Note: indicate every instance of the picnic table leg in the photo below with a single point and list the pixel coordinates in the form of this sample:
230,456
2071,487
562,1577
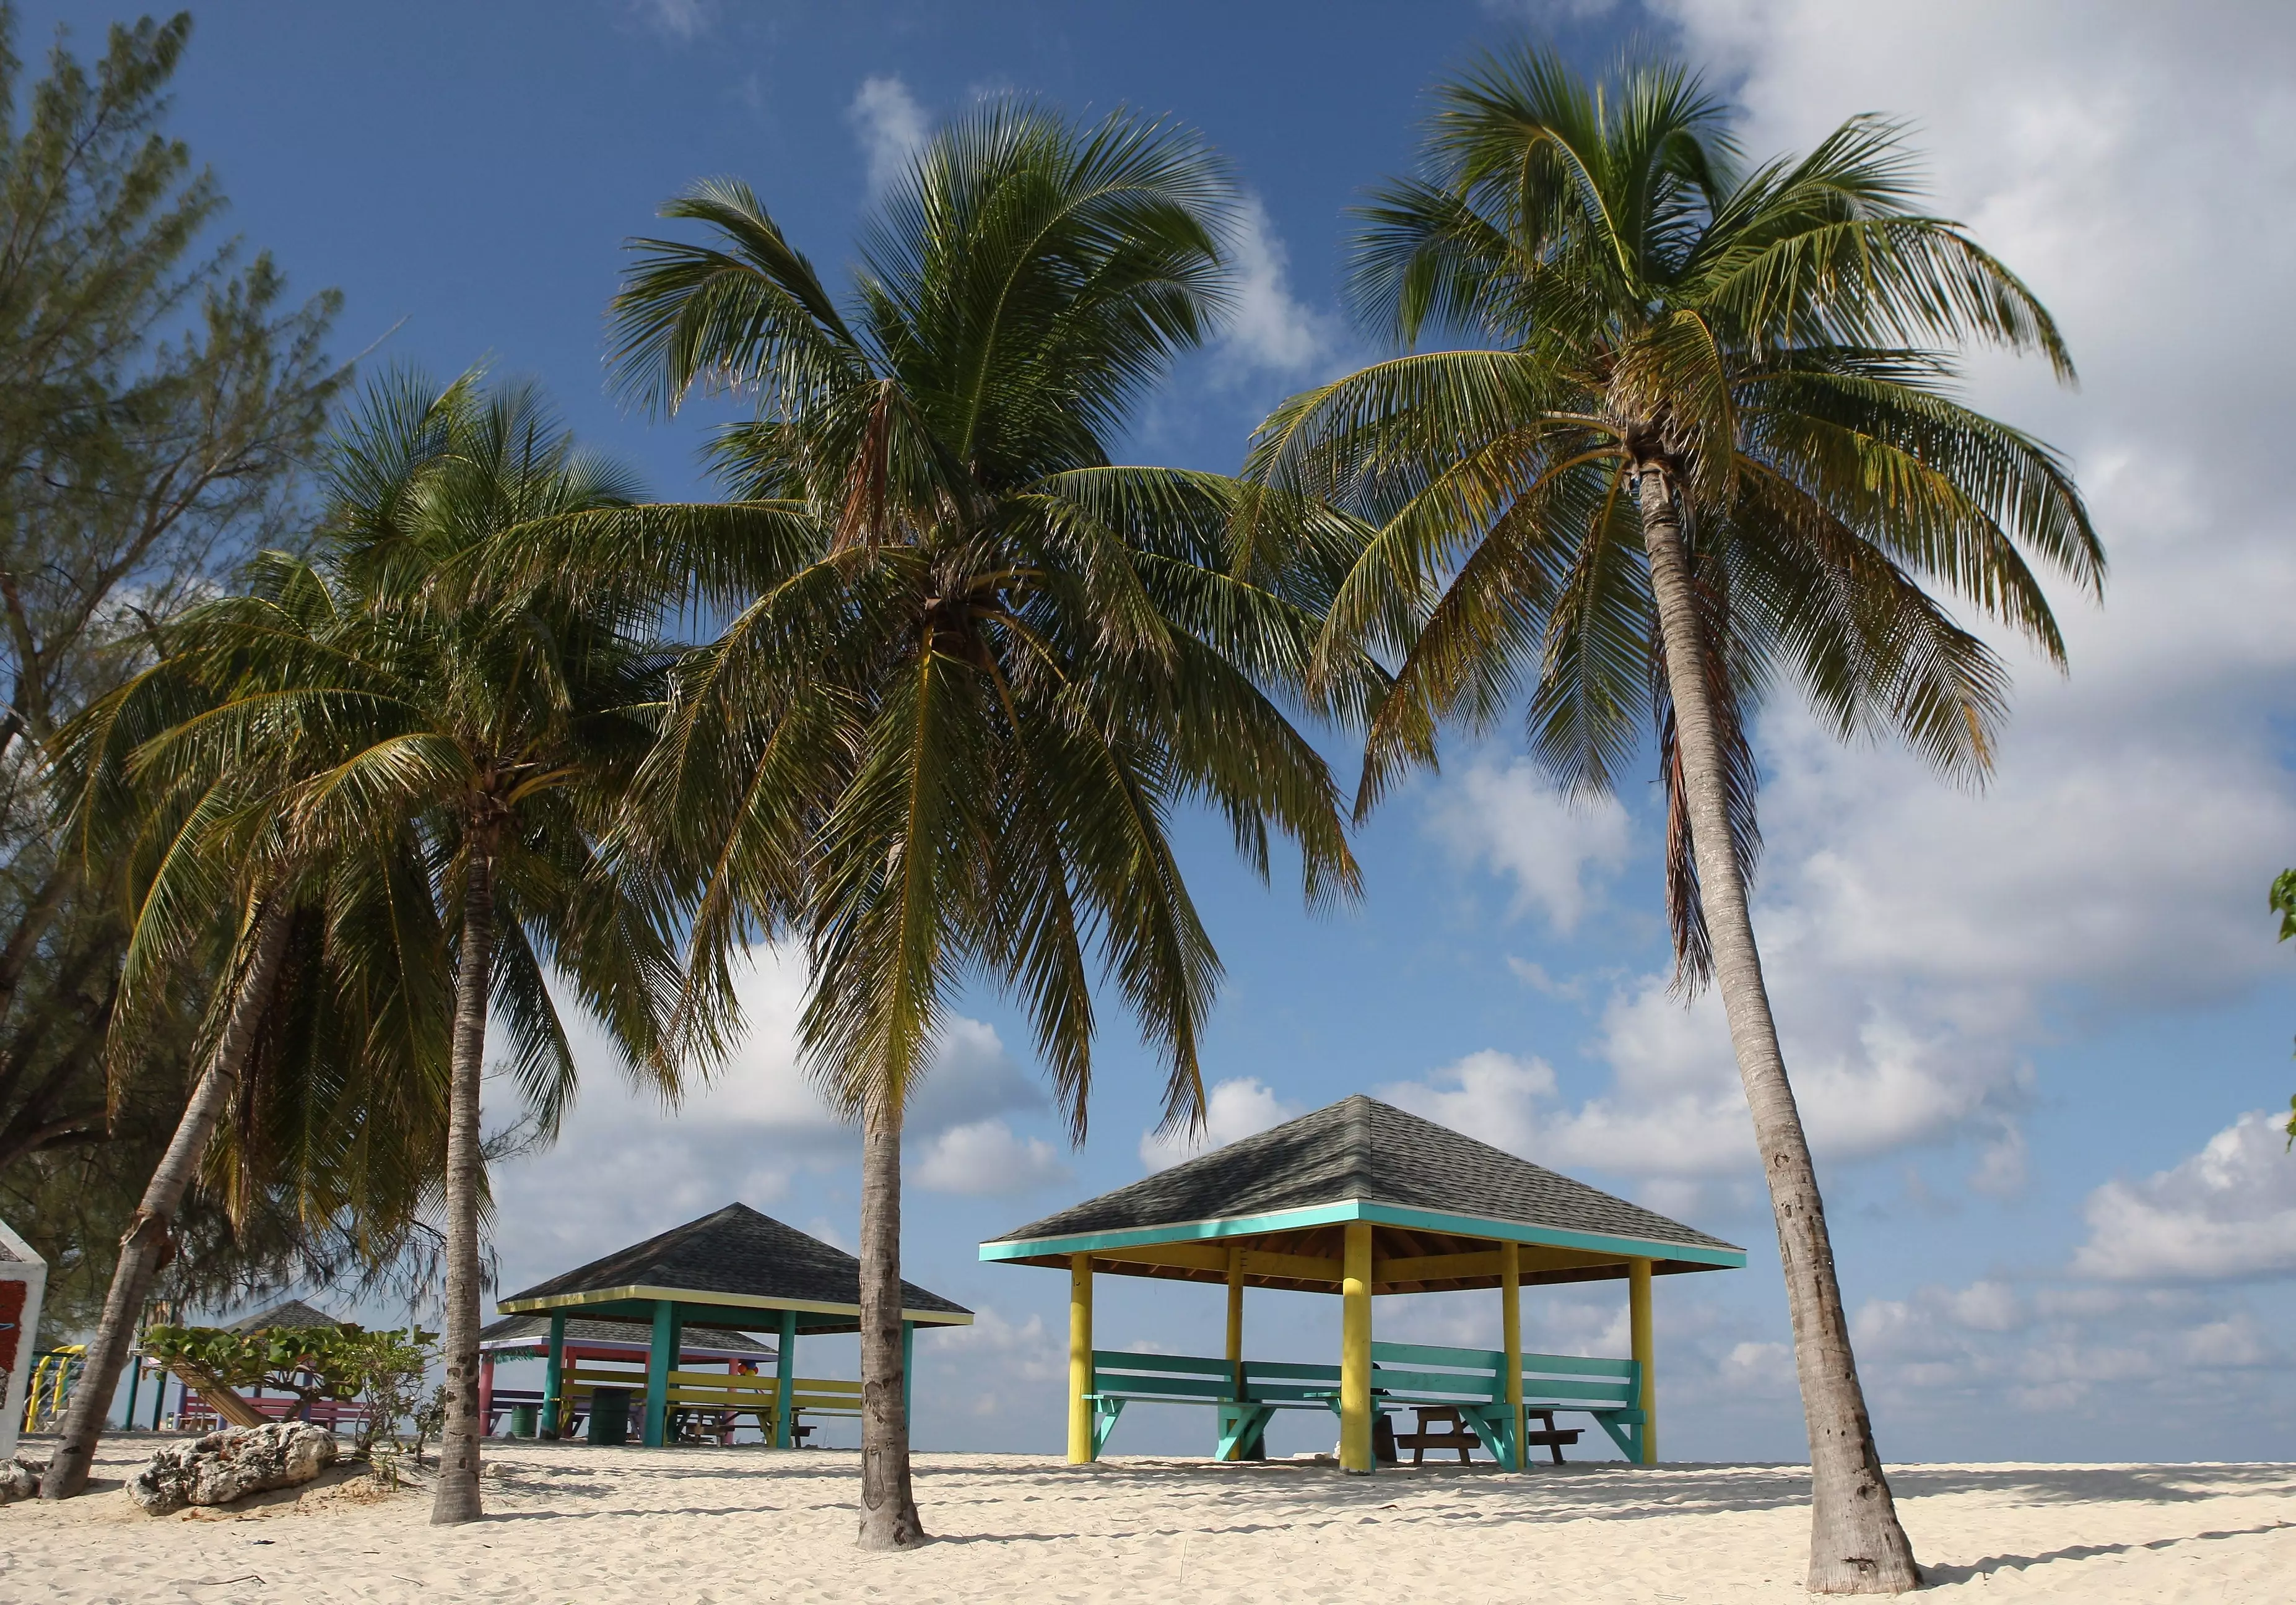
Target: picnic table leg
1638,1319
1355,1350
1081,1452
785,1384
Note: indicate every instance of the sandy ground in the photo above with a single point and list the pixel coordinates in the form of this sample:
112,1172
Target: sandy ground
570,1522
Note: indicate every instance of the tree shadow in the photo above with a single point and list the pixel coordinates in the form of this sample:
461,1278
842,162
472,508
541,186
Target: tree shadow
1933,1574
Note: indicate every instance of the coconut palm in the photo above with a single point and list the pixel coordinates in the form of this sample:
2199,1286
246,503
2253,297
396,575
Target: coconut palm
316,969
1705,447
409,694
973,667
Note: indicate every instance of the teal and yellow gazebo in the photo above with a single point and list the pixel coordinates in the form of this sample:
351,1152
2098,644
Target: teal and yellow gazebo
1364,1201
735,1270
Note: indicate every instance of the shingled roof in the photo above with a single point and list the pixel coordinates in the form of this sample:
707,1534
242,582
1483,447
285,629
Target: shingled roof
737,1261
1360,1158
290,1314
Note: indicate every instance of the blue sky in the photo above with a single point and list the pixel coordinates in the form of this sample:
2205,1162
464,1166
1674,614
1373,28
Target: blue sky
2034,1030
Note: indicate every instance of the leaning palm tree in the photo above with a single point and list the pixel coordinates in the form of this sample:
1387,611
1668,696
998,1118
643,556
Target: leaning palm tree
1706,445
315,971
972,668
412,695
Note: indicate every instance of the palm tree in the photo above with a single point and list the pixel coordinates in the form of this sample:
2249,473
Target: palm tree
972,666
1707,444
315,972
411,695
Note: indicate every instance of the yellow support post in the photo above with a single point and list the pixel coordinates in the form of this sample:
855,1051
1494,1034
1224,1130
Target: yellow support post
1355,1350
1235,1316
1080,1450
1638,1319
1511,1340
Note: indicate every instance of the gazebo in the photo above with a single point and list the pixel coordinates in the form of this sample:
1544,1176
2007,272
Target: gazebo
735,1270
1362,1200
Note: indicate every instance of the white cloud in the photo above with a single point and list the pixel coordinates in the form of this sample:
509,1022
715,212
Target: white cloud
681,19
890,126
1270,331
2229,1211
1515,821
1491,1095
1235,1108
985,1160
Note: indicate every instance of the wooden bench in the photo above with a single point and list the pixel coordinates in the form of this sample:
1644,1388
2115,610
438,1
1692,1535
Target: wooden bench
1467,1388
1244,1405
725,1396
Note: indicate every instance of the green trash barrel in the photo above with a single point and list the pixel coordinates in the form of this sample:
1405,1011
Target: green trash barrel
609,1415
525,1420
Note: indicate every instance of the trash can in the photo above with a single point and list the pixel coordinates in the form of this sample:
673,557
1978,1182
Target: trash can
525,1420
609,1415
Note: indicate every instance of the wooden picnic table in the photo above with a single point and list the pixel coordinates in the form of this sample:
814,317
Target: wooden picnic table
1458,1436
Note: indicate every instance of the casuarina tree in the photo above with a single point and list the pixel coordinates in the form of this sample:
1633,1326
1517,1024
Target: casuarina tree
1703,447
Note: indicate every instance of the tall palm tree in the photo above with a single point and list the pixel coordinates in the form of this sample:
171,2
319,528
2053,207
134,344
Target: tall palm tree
1705,444
415,695
973,667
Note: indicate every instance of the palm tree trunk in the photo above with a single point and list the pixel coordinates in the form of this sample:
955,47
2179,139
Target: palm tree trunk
1857,1545
149,1243
457,1497
889,1505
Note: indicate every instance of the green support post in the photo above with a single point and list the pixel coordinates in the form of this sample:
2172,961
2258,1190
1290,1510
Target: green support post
553,1377
159,1401
785,1384
909,1375
661,1356
134,1377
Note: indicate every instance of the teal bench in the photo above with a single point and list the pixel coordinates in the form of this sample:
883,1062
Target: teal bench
1471,1381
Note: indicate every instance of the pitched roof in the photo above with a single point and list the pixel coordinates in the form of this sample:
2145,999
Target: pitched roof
1361,1150
736,1258
515,1330
288,1315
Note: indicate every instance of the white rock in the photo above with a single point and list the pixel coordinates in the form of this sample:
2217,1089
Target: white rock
19,1478
225,1466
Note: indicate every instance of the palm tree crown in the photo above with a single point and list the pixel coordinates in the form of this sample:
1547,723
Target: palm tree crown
1775,336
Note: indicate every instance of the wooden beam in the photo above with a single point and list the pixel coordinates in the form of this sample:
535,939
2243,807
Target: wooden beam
1481,1263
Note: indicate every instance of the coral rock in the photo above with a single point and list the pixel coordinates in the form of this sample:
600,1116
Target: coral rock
225,1466
19,1478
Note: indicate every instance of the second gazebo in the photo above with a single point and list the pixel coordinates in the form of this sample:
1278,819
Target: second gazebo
734,1270
1362,1200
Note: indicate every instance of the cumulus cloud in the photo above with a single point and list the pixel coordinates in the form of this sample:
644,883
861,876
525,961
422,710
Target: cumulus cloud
1235,1108
1491,1095
1271,330
2229,1211
1514,821
625,1167
890,126
985,1160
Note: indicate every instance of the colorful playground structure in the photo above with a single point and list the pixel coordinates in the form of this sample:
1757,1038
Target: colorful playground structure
1362,1200
731,1272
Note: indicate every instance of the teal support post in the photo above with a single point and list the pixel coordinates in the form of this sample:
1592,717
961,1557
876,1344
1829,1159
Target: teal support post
661,1355
135,1376
785,1383
553,1377
909,1375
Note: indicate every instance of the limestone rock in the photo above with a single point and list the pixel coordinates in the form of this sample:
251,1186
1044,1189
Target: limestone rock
19,1478
225,1466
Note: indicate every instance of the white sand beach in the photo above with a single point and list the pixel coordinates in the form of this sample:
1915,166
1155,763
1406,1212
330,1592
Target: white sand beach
568,1522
